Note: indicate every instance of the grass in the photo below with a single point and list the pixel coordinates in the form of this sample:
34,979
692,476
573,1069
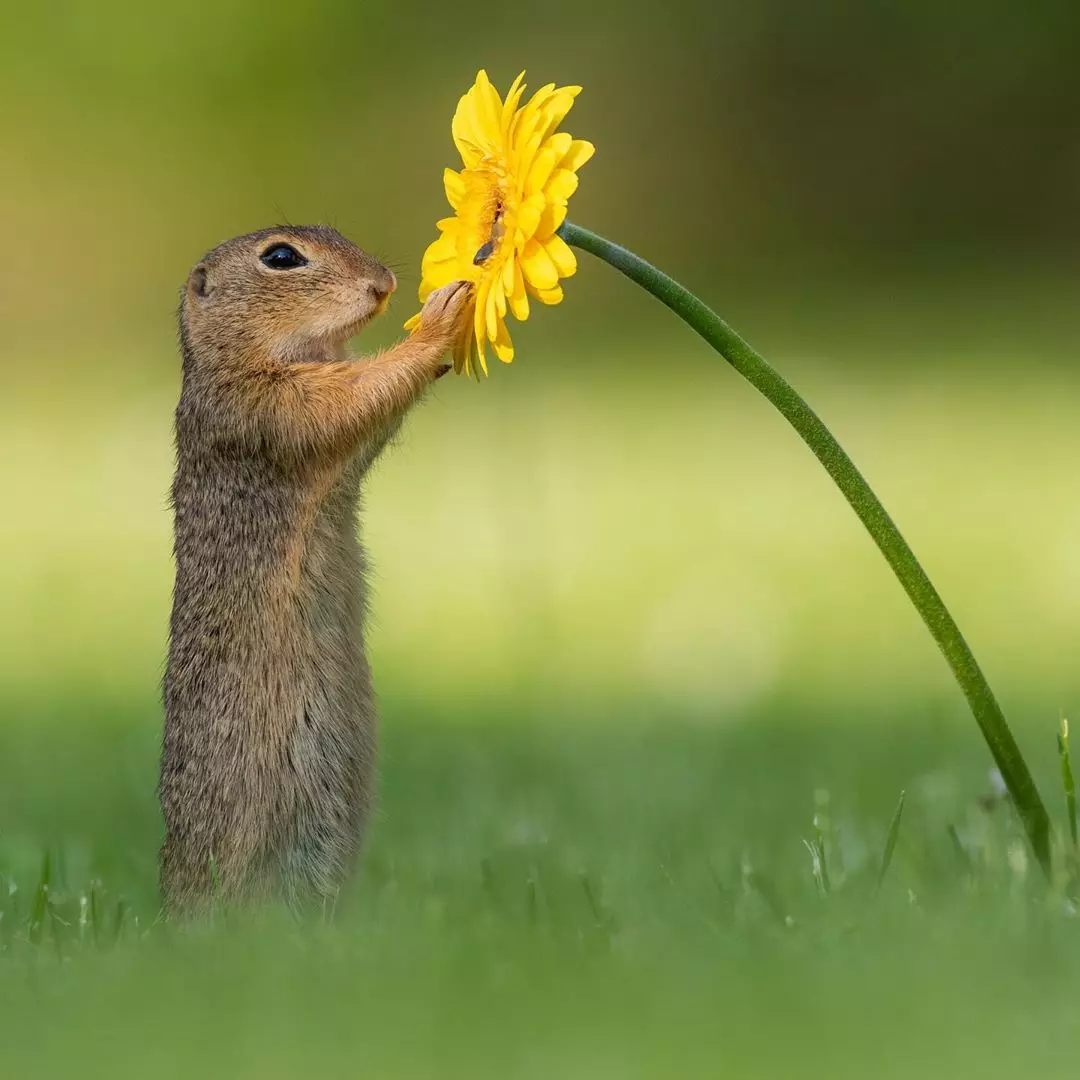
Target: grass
604,897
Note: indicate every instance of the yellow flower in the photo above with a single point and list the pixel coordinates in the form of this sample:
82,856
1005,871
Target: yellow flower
508,202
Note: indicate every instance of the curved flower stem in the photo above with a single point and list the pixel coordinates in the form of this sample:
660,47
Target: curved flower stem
865,503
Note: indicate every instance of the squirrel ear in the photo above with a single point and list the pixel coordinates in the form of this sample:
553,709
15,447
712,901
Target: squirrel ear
199,285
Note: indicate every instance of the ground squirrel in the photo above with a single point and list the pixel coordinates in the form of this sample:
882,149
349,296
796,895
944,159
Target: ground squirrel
269,739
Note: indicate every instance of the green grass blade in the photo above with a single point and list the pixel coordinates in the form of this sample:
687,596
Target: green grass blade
963,859
1067,779
40,905
817,864
890,840
95,913
822,831
120,920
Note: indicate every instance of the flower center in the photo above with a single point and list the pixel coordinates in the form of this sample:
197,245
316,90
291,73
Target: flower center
484,210
495,234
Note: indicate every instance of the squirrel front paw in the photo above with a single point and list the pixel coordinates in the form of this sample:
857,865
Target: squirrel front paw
445,310
444,322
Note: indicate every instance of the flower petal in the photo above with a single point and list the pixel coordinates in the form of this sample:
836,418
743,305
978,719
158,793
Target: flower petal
528,217
522,157
529,114
504,347
538,267
465,351
479,323
462,346
499,292
445,245
560,142
514,288
556,109
413,323
488,109
519,298
436,276
549,296
562,185
465,132
550,220
454,186
513,96
580,152
540,170
561,255
440,262
491,312
528,131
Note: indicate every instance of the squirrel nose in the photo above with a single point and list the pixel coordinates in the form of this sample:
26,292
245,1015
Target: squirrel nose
383,287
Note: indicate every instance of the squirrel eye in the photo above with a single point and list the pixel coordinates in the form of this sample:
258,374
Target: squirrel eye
282,257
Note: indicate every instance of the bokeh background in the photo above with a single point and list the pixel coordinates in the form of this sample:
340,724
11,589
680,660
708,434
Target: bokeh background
610,563
886,201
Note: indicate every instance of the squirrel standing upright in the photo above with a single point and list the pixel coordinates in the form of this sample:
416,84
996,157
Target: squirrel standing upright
269,743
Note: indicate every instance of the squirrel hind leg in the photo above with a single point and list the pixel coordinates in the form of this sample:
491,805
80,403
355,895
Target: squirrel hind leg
314,869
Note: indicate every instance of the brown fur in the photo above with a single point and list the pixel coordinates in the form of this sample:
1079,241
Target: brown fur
269,742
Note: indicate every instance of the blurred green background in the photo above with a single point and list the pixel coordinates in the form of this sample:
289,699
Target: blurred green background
621,617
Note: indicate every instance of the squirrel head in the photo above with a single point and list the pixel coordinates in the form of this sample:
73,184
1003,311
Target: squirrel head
289,294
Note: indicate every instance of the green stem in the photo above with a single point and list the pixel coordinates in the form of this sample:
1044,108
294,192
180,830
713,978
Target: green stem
865,503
